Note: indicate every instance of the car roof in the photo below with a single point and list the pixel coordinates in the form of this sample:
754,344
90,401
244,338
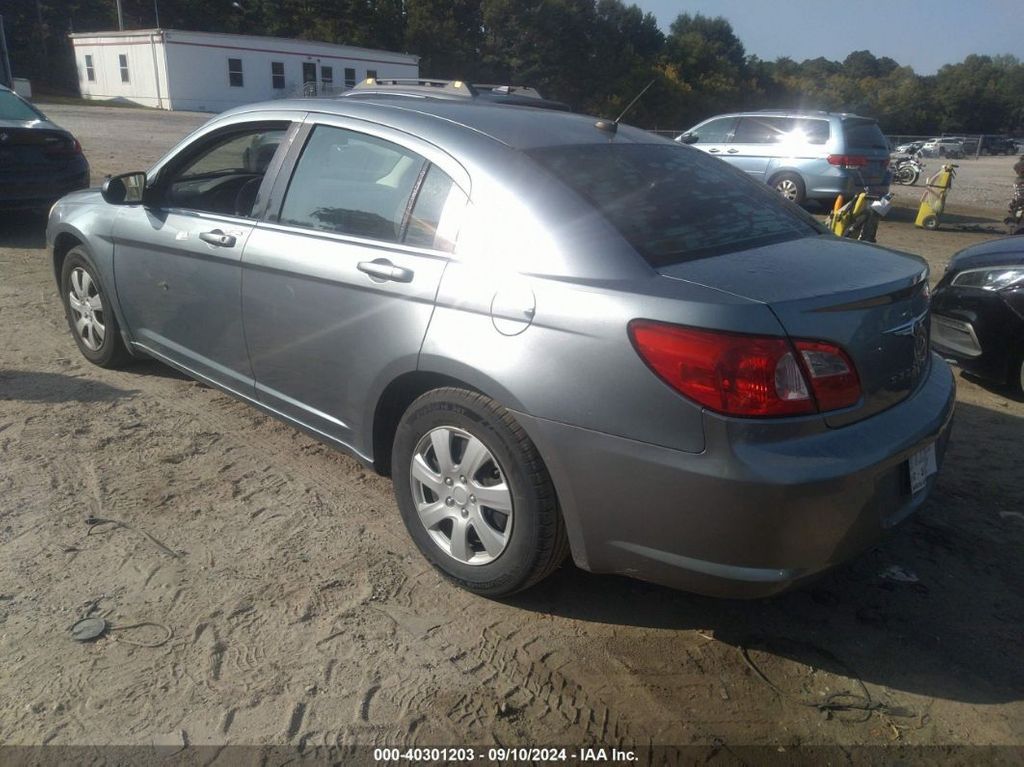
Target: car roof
793,113
441,120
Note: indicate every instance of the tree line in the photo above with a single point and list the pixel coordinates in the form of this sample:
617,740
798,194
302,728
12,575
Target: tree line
596,56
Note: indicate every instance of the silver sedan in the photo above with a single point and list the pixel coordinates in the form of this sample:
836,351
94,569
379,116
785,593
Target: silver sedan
556,334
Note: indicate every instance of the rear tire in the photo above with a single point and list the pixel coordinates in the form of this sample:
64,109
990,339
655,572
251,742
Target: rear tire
790,186
89,313
931,223
475,495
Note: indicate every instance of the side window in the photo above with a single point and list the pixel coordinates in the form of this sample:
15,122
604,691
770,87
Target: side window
762,130
90,71
350,77
122,63
814,131
433,222
226,175
715,131
351,183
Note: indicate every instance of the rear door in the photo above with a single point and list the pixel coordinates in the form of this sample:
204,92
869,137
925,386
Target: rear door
757,141
339,282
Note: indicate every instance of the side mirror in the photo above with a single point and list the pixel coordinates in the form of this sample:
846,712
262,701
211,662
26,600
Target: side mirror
687,138
125,189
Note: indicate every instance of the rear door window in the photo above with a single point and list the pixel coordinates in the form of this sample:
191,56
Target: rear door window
352,183
675,203
433,220
813,131
763,130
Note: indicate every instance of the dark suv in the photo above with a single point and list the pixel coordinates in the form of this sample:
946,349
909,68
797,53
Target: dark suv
997,145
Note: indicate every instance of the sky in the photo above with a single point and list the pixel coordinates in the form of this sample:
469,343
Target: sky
924,34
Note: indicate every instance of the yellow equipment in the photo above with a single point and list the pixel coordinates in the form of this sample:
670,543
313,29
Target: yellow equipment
933,201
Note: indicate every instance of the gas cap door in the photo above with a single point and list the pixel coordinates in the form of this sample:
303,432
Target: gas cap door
512,309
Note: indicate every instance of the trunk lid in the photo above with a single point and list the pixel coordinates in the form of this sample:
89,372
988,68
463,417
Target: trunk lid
23,149
870,301
862,137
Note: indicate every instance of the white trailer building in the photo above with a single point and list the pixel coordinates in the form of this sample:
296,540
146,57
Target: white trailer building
211,72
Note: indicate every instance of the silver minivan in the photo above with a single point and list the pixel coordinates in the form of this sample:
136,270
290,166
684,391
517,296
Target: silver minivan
803,155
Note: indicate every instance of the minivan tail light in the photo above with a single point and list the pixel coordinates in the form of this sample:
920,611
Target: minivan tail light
730,373
848,160
832,375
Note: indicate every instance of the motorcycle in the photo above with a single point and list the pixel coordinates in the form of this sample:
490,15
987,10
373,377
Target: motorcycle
1015,221
906,170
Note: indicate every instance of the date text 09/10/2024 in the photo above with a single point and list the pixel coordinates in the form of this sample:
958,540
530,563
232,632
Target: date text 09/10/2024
504,754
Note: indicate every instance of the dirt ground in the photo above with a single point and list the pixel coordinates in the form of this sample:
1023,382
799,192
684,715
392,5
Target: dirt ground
300,613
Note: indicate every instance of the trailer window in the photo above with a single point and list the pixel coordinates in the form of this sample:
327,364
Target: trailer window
122,61
90,72
277,74
235,73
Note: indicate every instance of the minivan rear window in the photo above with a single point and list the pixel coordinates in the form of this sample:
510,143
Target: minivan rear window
673,203
863,134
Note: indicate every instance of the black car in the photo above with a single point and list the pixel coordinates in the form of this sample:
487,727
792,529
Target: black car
39,161
978,311
997,145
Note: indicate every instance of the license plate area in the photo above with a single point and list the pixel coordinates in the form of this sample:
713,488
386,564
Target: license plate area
921,466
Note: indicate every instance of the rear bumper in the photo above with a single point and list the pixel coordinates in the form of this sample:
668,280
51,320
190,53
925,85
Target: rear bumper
765,506
43,189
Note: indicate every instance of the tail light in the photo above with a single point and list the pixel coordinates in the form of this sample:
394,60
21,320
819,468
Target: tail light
62,146
745,375
848,160
833,377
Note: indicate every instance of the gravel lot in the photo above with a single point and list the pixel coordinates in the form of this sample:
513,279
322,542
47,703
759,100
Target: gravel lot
301,614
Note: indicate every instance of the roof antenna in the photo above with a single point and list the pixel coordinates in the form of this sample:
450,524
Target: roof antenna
613,126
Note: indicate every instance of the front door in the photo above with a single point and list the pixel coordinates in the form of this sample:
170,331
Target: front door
309,77
339,289
177,258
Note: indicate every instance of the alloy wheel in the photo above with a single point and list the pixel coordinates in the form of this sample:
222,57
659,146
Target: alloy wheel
462,497
87,309
788,189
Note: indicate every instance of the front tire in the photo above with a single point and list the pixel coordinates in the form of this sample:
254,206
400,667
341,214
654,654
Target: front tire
89,314
475,495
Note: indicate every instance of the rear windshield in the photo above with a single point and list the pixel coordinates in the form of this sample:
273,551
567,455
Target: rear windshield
863,134
673,203
13,108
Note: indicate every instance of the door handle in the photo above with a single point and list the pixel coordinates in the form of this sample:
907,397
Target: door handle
382,270
218,238
732,151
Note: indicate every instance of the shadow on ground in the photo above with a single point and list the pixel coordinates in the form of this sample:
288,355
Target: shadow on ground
955,633
34,386
22,229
